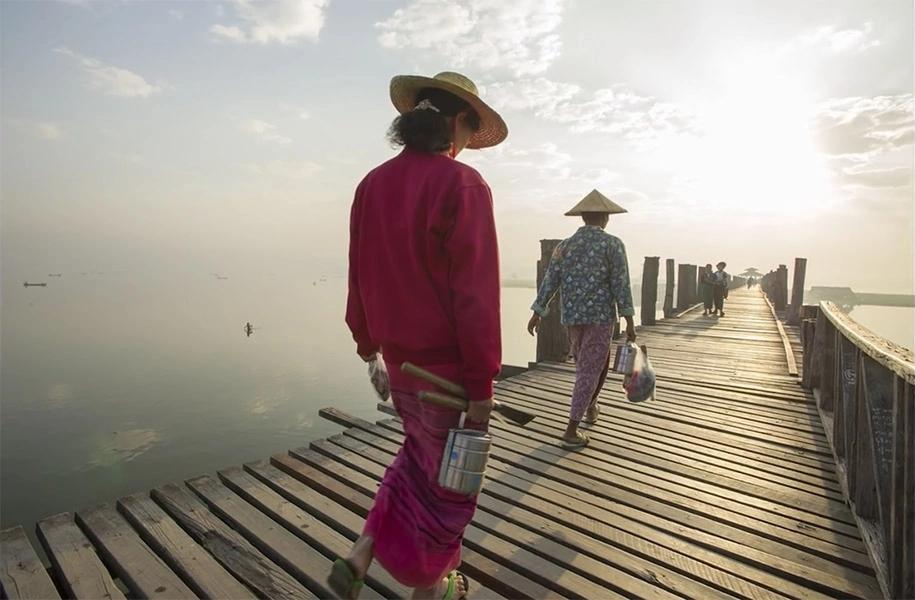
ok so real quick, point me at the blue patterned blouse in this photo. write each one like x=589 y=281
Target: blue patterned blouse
x=591 y=269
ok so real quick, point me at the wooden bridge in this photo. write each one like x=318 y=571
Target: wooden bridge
x=726 y=485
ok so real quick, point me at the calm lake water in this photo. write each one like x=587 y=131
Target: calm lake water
x=895 y=323
x=113 y=384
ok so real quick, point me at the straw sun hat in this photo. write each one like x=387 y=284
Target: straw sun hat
x=404 y=89
x=595 y=202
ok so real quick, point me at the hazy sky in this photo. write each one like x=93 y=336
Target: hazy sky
x=229 y=136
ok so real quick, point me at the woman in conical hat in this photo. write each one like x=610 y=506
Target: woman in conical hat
x=424 y=288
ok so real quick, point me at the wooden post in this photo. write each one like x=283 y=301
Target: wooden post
x=682 y=287
x=781 y=288
x=552 y=338
x=797 y=291
x=693 y=295
x=669 y=290
x=808 y=335
x=700 y=270
x=650 y=289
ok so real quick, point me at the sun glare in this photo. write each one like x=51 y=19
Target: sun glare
x=755 y=151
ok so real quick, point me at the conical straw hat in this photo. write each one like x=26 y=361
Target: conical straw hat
x=493 y=129
x=595 y=202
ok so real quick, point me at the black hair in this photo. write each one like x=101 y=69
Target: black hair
x=426 y=130
x=594 y=218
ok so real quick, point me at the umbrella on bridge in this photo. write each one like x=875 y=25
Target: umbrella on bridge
x=751 y=272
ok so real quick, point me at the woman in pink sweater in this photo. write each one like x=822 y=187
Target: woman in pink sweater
x=424 y=288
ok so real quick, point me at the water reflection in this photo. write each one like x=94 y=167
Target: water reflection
x=121 y=447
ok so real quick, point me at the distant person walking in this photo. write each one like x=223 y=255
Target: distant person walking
x=707 y=289
x=721 y=280
x=424 y=288
x=591 y=270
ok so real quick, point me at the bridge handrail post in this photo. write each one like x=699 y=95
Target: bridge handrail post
x=552 y=337
x=797 y=291
x=669 y=284
x=650 y=290
x=864 y=389
x=682 y=287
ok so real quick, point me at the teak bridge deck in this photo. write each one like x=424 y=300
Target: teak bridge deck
x=723 y=486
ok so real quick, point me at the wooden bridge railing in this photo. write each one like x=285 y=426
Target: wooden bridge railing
x=864 y=385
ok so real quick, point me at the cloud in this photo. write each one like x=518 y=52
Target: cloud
x=617 y=109
x=280 y=21
x=518 y=36
x=176 y=14
x=892 y=177
x=544 y=161
x=299 y=111
x=865 y=126
x=286 y=169
x=839 y=40
x=48 y=130
x=264 y=131
x=111 y=80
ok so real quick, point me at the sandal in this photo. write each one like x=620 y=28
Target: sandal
x=343 y=581
x=452 y=587
x=581 y=440
x=588 y=421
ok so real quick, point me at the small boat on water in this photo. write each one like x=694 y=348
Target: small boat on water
x=29 y=284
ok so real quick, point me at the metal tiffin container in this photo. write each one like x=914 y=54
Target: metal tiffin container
x=464 y=460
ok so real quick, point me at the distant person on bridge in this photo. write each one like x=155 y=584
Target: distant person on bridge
x=424 y=288
x=721 y=280
x=591 y=270
x=707 y=289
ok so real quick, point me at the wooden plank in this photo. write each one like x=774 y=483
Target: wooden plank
x=346 y=522
x=189 y=560
x=724 y=443
x=304 y=525
x=814 y=443
x=229 y=548
x=657 y=547
x=303 y=562
x=716 y=455
x=771 y=557
x=77 y=567
x=825 y=573
x=509 y=555
x=143 y=572
x=22 y=575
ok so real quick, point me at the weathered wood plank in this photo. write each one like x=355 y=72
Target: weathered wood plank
x=192 y=562
x=823 y=575
x=303 y=562
x=144 y=573
x=309 y=478
x=667 y=551
x=229 y=548
x=358 y=487
x=77 y=566
x=304 y=525
x=22 y=575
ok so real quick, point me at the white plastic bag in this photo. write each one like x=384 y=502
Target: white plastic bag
x=378 y=375
x=640 y=382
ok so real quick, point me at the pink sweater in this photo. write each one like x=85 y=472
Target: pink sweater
x=424 y=268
